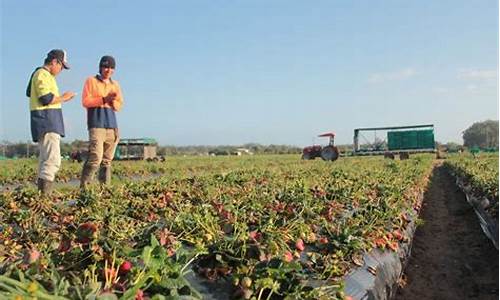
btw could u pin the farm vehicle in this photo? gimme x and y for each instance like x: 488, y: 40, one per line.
x: 328, y: 153
x: 401, y: 141
x: 127, y: 149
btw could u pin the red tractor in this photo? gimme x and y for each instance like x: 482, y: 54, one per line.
x: 329, y: 152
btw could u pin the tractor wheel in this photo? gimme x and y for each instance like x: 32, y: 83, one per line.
x: 306, y: 156
x: 404, y: 155
x: 330, y: 153
x: 389, y: 155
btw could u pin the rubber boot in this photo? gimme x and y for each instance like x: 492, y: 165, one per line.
x: 44, y: 186
x: 105, y: 175
x: 87, y: 174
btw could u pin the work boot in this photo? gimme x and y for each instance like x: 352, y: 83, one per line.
x: 87, y: 174
x: 44, y: 186
x: 105, y: 175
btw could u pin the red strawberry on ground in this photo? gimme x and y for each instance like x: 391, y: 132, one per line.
x: 299, y: 244
x: 255, y: 235
x: 380, y: 242
x: 393, y: 246
x: 398, y: 235
x: 288, y: 256
x: 125, y: 267
x: 139, y: 295
x: 31, y: 256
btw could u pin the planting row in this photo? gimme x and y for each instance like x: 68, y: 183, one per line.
x: 252, y: 228
x: 480, y: 175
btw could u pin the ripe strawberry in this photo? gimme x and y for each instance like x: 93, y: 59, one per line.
x: 323, y: 240
x: 139, y: 295
x: 299, y: 244
x: 380, y: 242
x: 255, y: 235
x: 31, y: 256
x: 393, y: 246
x: 125, y: 267
x: 398, y: 235
x: 288, y: 256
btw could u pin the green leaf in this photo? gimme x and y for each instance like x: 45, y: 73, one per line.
x: 107, y: 296
x: 146, y: 255
x: 154, y: 241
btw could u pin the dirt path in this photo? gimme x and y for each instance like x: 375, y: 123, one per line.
x: 451, y: 257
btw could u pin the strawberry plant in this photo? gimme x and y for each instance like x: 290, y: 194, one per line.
x: 274, y: 226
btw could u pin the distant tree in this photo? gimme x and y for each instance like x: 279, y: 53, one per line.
x: 21, y: 150
x: 452, y: 147
x: 482, y: 135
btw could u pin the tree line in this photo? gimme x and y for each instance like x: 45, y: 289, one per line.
x: 483, y: 135
x: 22, y: 150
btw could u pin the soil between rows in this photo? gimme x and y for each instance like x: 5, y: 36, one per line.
x: 451, y: 257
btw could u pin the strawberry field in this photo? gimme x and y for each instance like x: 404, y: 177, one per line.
x: 263, y: 227
x: 480, y: 175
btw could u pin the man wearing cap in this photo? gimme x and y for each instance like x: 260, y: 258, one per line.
x: 102, y: 97
x: 47, y: 126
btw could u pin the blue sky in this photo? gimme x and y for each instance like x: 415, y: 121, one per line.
x: 270, y: 72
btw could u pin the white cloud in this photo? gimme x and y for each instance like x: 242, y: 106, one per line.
x: 471, y: 74
x: 441, y: 90
x: 478, y: 80
x: 391, y: 76
x: 472, y: 87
